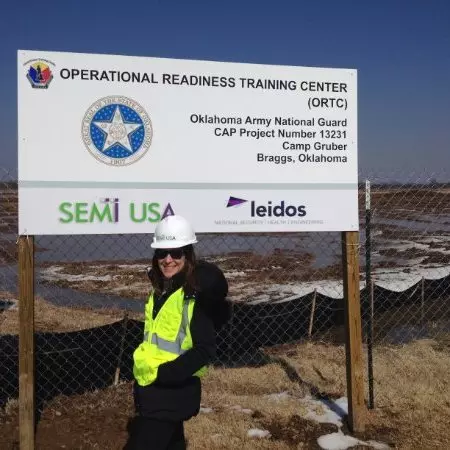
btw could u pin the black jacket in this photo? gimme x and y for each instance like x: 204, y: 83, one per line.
x: 176, y: 393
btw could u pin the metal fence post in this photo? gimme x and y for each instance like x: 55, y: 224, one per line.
x: 369, y: 294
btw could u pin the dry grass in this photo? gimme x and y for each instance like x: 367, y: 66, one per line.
x: 49, y: 317
x: 412, y: 403
x: 413, y: 377
x: 412, y: 390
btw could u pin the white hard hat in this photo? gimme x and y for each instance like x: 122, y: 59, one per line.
x: 173, y: 232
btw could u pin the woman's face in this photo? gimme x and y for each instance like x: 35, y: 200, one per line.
x: 170, y: 261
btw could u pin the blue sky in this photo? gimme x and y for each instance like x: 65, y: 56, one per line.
x: 401, y: 50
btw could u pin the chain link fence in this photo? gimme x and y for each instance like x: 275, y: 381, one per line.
x: 286, y: 289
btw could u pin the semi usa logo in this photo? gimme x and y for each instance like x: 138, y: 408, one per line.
x: 117, y: 130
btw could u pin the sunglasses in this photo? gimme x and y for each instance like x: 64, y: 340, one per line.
x: 175, y: 253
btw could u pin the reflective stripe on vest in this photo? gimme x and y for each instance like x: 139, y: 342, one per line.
x: 173, y: 347
x: 165, y: 338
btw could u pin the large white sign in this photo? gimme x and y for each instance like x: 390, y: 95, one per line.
x: 110, y: 144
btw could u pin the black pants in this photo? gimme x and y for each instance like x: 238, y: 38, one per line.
x: 151, y: 434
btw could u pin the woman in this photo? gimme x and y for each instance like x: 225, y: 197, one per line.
x: 185, y: 309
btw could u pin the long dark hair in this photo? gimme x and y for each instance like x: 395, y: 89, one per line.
x: 189, y: 284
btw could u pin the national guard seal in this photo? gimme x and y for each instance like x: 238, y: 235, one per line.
x: 117, y: 130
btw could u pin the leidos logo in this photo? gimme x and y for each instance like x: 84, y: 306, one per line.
x: 271, y: 209
x: 108, y: 211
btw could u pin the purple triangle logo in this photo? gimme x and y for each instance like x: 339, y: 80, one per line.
x: 168, y: 211
x: 234, y: 201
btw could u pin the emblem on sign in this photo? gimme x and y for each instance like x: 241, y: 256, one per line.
x: 39, y: 73
x: 117, y: 130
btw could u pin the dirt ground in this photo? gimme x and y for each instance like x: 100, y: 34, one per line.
x: 408, y: 415
x: 245, y: 271
x: 100, y: 420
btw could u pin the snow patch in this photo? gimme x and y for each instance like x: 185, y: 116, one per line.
x: 398, y: 280
x: 257, y: 433
x: 340, y: 441
x: 337, y: 441
x: 133, y: 266
x: 206, y: 410
x: 53, y: 273
x: 241, y: 409
x: 278, y: 397
x: 235, y: 274
x: 325, y: 411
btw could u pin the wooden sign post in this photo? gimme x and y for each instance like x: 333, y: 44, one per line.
x: 26, y: 342
x: 353, y: 334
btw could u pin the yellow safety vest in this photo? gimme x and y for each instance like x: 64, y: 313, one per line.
x: 165, y: 338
